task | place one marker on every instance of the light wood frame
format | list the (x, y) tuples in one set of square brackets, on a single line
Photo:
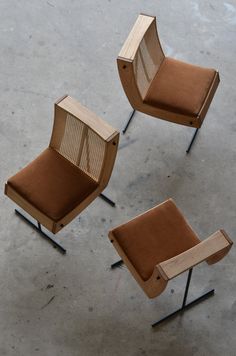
[(211, 250), (110, 136), (136, 81)]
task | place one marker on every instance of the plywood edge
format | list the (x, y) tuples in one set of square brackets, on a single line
[(135, 36), (174, 266)]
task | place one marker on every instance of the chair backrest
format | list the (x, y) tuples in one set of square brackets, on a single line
[(140, 57), (84, 139)]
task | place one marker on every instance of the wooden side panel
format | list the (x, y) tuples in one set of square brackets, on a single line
[(127, 78), (109, 160), (143, 49), (217, 245), (132, 42), (223, 252), (180, 119), (152, 287)]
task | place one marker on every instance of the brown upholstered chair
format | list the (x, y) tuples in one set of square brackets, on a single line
[(163, 87), (68, 175), (160, 244)]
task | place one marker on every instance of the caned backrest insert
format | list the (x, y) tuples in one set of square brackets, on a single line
[(143, 48), (80, 137)]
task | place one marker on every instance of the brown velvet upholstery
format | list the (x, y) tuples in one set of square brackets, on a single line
[(52, 184), (155, 236), (180, 87)]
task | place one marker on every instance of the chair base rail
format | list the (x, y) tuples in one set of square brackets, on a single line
[(38, 228), (192, 141), (184, 304), (187, 306)]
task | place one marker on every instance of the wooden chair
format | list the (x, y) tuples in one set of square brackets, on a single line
[(68, 175), (160, 244), (160, 86)]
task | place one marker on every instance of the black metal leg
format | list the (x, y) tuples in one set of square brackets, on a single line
[(187, 287), (108, 200), (39, 229), (117, 264), (188, 305), (129, 121), (192, 141)]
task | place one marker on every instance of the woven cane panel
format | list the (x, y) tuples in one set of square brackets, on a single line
[(83, 147), (92, 154), (71, 140), (147, 60)]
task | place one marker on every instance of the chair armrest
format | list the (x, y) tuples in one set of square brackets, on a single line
[(132, 42), (213, 248)]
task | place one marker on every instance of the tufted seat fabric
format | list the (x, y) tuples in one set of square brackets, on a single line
[(155, 236), (180, 87), (52, 184)]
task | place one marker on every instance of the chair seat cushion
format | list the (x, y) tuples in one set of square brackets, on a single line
[(180, 87), (52, 184), (155, 236)]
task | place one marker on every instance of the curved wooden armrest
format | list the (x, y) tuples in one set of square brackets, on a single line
[(73, 107), (212, 250), (132, 42)]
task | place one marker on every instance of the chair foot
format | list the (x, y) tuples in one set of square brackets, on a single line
[(186, 306), (106, 199), (117, 264), (129, 121), (38, 228), (192, 141)]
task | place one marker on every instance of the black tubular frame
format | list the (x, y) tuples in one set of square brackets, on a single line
[(108, 200), (131, 117), (184, 304), (38, 228), (117, 264), (129, 121), (192, 141)]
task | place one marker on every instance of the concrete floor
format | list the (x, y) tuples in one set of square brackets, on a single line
[(49, 48)]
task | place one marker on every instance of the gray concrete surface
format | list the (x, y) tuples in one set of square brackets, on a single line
[(49, 48)]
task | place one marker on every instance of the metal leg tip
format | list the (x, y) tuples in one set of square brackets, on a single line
[(117, 264)]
